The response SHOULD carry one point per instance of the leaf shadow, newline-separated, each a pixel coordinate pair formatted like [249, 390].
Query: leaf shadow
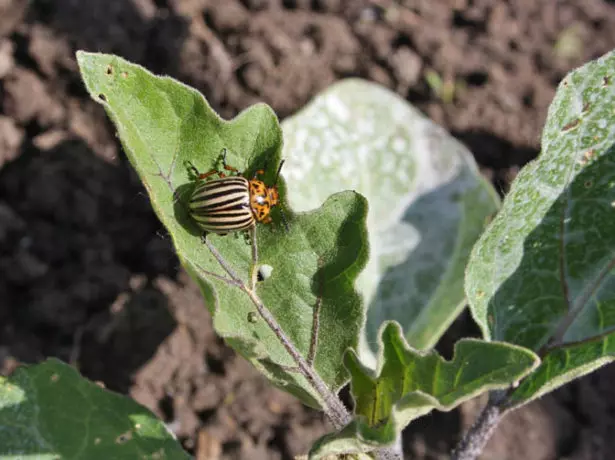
[556, 284]
[418, 270]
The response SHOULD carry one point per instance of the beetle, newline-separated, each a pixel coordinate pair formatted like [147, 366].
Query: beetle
[232, 203]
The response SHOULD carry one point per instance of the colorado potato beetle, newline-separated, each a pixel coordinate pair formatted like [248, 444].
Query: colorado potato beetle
[231, 203]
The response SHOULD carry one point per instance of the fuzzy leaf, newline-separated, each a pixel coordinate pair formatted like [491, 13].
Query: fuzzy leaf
[48, 411]
[310, 288]
[543, 275]
[428, 203]
[410, 383]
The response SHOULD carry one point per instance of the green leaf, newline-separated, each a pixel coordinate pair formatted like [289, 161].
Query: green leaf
[542, 276]
[344, 442]
[313, 267]
[410, 383]
[560, 366]
[428, 203]
[48, 411]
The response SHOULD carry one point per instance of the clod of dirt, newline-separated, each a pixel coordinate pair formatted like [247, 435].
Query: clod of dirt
[11, 14]
[6, 57]
[11, 137]
[9, 222]
[28, 99]
[49, 139]
[49, 51]
[407, 67]
[229, 17]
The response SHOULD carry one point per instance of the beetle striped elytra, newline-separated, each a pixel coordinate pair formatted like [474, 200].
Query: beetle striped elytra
[231, 203]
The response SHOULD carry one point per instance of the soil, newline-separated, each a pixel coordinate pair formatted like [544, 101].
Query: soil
[88, 274]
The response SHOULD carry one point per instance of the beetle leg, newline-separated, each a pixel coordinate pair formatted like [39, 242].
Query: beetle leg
[210, 173]
[225, 166]
[230, 168]
[192, 170]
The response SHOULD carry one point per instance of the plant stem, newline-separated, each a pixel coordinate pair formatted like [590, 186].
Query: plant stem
[476, 438]
[394, 452]
[333, 406]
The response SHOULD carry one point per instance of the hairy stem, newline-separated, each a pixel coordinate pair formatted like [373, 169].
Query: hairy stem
[394, 452]
[254, 266]
[474, 441]
[333, 407]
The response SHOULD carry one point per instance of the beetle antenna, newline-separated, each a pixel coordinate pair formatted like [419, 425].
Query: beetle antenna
[277, 176]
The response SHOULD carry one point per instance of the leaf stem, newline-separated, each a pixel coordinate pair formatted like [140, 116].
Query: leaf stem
[253, 268]
[315, 322]
[333, 406]
[394, 452]
[474, 441]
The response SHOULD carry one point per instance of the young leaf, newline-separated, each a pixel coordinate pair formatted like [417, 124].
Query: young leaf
[48, 411]
[428, 203]
[542, 276]
[409, 384]
[311, 268]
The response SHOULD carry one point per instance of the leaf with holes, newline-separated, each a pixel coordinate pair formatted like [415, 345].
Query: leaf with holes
[409, 384]
[311, 268]
[428, 203]
[543, 275]
[48, 411]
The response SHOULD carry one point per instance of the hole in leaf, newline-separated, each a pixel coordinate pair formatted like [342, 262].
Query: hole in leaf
[102, 97]
[124, 437]
[109, 69]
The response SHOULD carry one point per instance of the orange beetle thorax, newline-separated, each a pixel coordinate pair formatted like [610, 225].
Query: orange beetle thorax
[262, 198]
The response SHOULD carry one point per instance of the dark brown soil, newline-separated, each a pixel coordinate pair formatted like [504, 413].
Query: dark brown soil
[87, 273]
